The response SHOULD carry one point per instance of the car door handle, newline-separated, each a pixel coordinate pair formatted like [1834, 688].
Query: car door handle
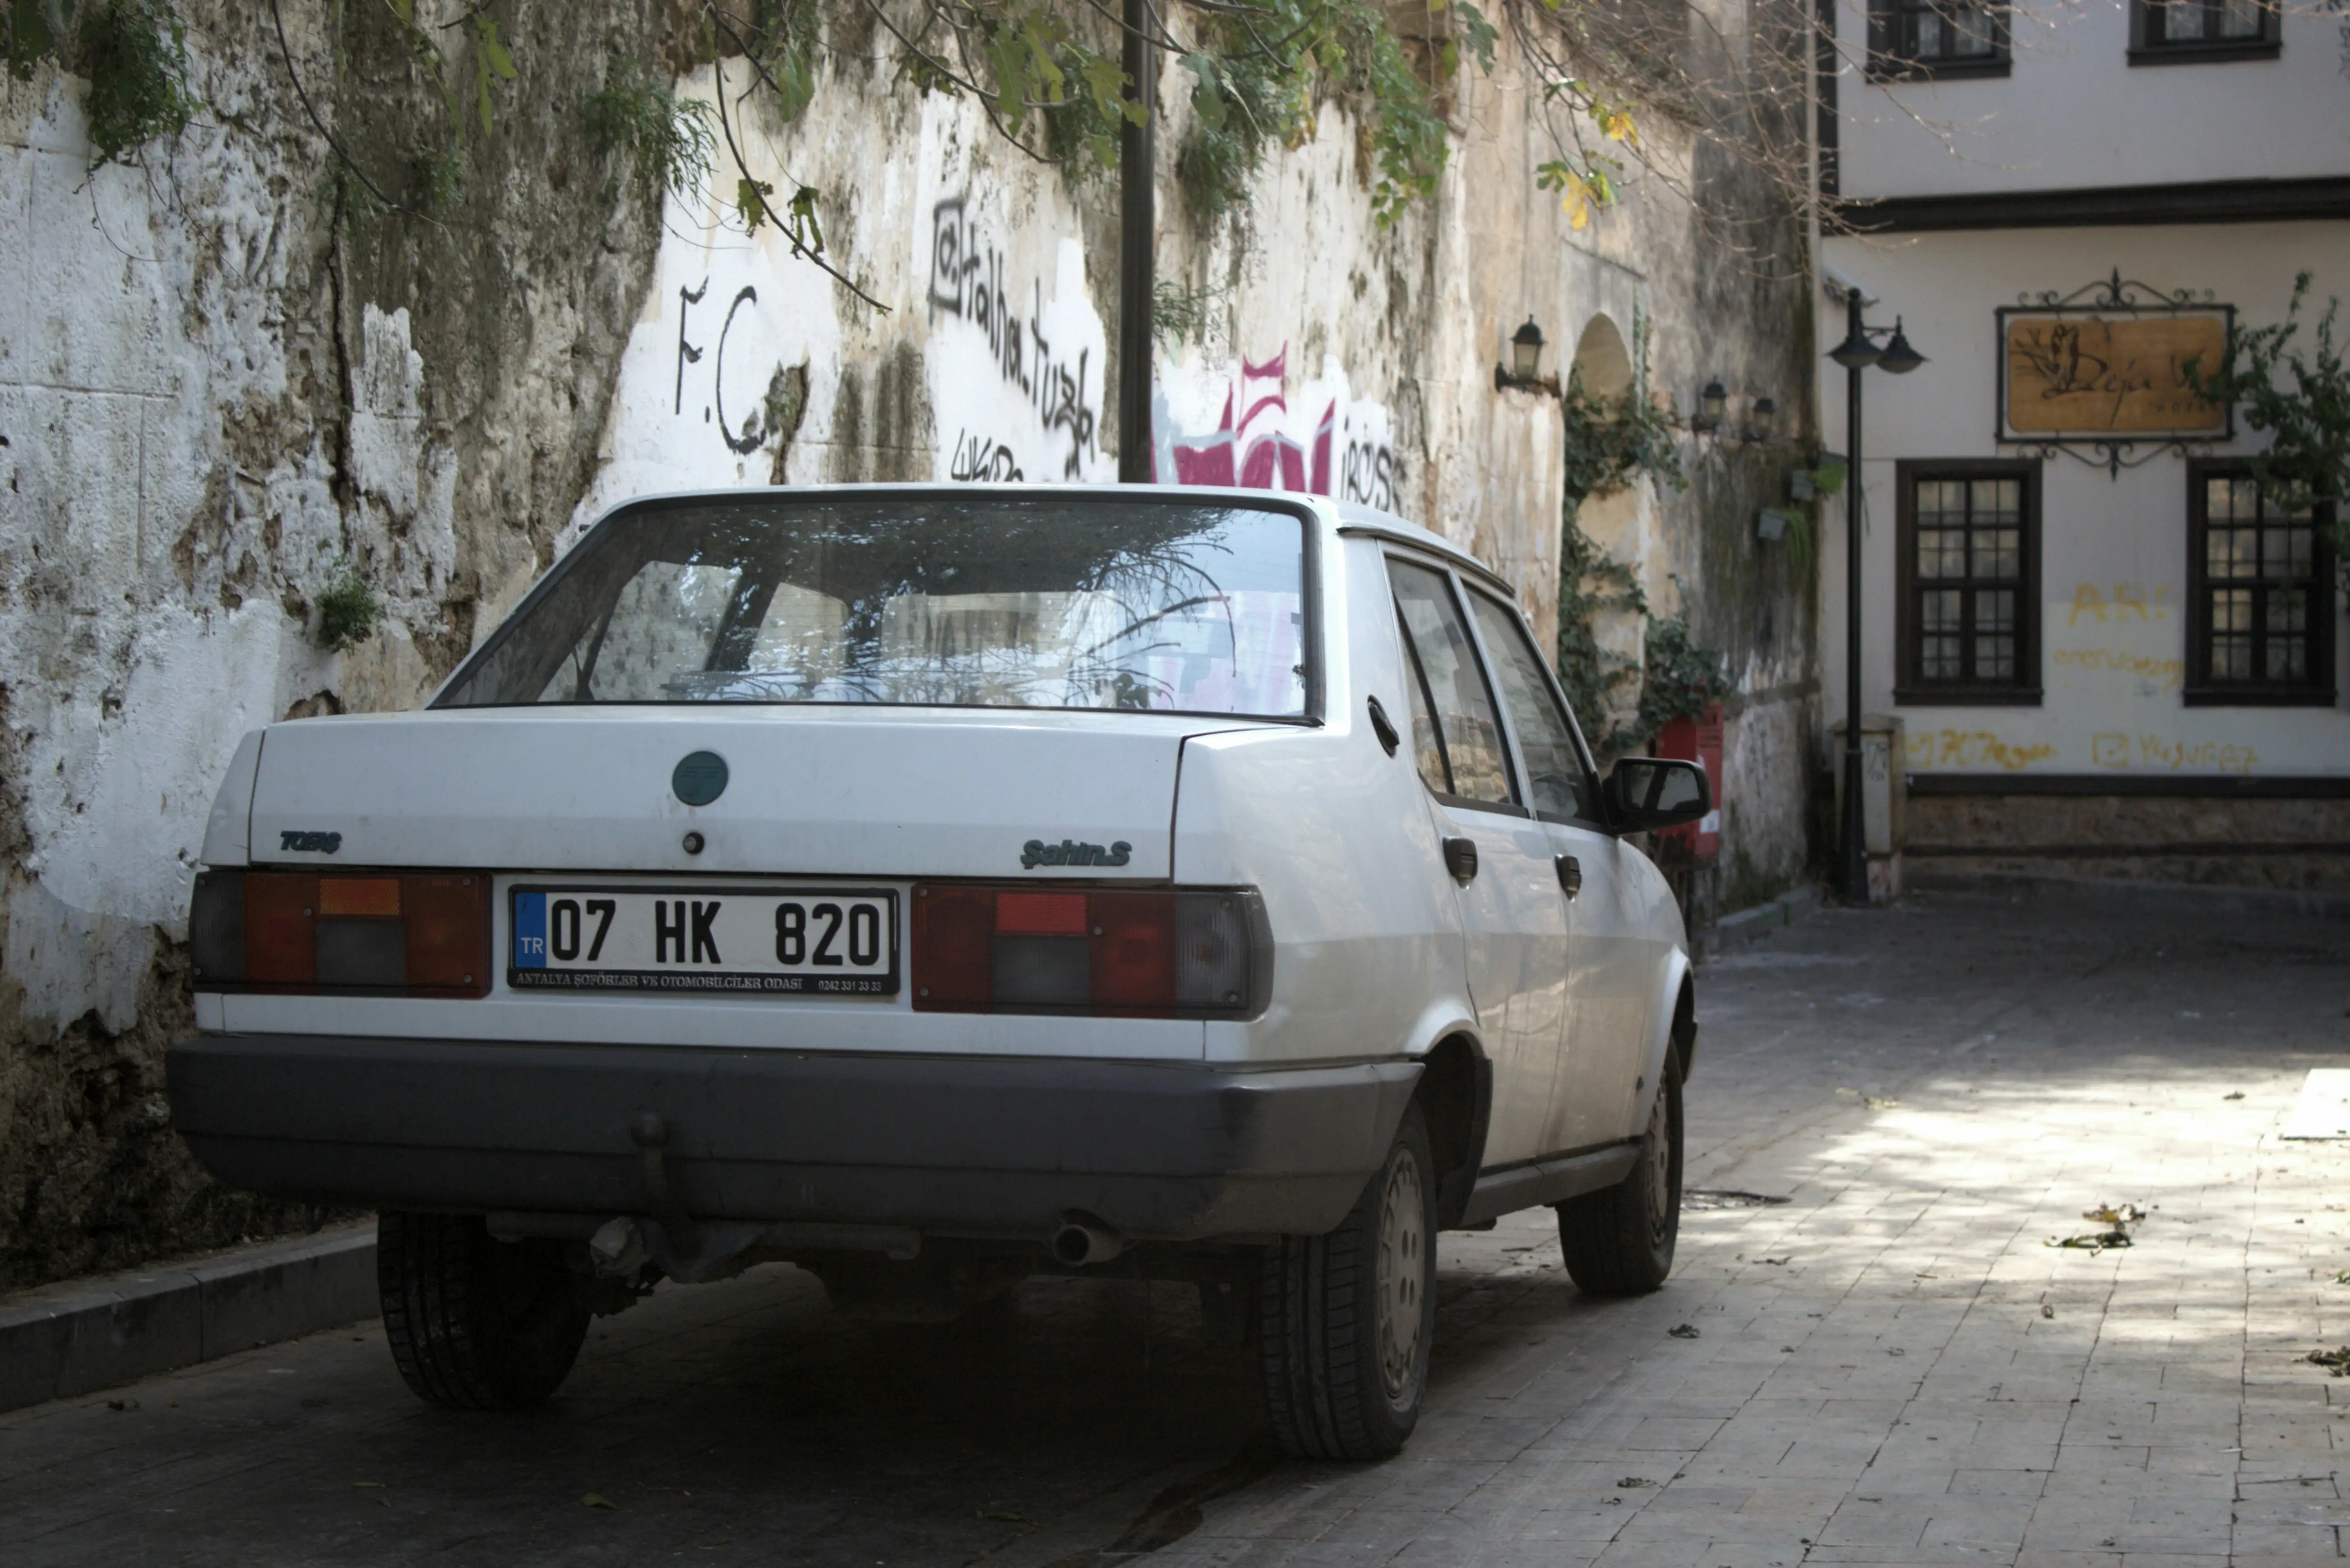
[1570, 874]
[1461, 859]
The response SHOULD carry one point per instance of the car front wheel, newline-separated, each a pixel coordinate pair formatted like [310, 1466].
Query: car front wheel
[1345, 1320]
[1619, 1240]
[475, 1322]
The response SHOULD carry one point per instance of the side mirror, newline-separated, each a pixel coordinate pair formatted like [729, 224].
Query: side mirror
[1644, 793]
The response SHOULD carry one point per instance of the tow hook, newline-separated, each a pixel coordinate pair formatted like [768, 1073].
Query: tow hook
[650, 1131]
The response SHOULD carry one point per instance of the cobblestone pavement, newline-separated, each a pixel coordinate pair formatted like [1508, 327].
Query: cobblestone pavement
[1888, 1367]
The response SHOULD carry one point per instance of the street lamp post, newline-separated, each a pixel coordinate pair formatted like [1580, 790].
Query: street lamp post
[1856, 353]
[1137, 240]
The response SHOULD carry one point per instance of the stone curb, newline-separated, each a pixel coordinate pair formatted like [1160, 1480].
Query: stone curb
[82, 1335]
[2197, 899]
[1761, 921]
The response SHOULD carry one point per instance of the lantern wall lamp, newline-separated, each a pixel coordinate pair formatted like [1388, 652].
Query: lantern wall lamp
[1524, 368]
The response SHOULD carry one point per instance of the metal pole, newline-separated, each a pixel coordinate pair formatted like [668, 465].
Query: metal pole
[1855, 814]
[1138, 233]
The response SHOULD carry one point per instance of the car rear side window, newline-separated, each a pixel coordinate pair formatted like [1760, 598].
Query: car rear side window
[1555, 776]
[1459, 702]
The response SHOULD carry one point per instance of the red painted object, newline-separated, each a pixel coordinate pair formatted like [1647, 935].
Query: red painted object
[1698, 741]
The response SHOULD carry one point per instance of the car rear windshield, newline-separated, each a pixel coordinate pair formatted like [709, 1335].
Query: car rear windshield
[991, 601]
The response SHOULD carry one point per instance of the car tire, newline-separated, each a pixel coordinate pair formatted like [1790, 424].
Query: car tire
[1345, 1320]
[476, 1323]
[1619, 1240]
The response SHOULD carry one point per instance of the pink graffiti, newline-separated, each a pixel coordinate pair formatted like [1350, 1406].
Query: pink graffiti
[1253, 450]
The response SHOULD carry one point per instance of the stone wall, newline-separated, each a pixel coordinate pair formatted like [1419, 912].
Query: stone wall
[225, 385]
[2301, 844]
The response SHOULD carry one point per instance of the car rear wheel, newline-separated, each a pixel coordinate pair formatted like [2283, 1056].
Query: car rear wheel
[1345, 1320]
[476, 1323]
[1619, 1240]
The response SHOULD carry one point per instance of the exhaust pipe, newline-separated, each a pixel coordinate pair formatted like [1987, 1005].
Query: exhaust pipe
[1082, 1240]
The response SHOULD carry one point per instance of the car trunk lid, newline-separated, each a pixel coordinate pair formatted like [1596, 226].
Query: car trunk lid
[879, 793]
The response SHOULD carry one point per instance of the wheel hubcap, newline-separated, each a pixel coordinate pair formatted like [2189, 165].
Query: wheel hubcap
[1658, 1150]
[1403, 1267]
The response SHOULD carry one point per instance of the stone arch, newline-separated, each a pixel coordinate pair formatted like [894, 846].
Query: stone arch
[1602, 366]
[1616, 521]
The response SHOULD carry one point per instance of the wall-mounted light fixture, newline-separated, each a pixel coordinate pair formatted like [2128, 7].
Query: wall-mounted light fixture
[1711, 404]
[1759, 417]
[1524, 367]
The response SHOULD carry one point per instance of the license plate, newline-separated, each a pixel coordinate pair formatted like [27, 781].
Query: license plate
[757, 941]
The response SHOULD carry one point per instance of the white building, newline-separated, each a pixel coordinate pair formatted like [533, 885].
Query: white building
[2107, 654]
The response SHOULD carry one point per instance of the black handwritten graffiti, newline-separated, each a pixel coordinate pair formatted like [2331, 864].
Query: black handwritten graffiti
[1061, 400]
[981, 460]
[1370, 473]
[687, 354]
[748, 441]
[967, 282]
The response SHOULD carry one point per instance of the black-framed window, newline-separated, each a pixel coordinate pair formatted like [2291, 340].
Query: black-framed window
[1909, 39]
[2182, 32]
[1967, 620]
[2260, 596]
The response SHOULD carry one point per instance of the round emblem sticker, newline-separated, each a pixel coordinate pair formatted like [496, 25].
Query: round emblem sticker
[699, 778]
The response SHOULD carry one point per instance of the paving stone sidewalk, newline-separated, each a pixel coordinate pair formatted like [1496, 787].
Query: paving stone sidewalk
[1890, 1366]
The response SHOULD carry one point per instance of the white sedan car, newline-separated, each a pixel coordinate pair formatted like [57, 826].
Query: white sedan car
[934, 886]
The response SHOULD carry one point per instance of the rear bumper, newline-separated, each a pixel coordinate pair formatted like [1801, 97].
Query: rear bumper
[951, 1146]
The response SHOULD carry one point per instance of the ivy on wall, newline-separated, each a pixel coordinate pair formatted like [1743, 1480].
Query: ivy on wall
[133, 53]
[2302, 402]
[1048, 74]
[1610, 442]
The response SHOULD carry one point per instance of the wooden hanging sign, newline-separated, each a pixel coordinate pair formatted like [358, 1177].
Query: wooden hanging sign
[2112, 366]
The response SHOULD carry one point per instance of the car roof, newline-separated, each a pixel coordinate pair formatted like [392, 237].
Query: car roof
[1352, 517]
[1355, 518]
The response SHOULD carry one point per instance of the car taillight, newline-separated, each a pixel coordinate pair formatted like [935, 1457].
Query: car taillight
[1153, 953]
[412, 933]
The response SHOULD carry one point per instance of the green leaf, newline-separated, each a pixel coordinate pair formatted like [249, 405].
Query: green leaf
[751, 200]
[794, 84]
[806, 234]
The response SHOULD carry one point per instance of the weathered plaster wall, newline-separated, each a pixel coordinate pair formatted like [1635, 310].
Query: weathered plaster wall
[218, 391]
[221, 386]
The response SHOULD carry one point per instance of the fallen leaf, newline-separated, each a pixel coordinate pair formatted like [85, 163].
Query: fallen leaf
[2237, 1094]
[2336, 1361]
[1612, 1500]
[2097, 1242]
[597, 1500]
[1875, 1103]
[1683, 1330]
[2047, 1311]
[2342, 1276]
[1628, 1482]
[2128, 1214]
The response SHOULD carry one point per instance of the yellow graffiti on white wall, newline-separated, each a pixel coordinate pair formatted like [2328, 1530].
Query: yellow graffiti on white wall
[2126, 601]
[2171, 672]
[1973, 749]
[2113, 750]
